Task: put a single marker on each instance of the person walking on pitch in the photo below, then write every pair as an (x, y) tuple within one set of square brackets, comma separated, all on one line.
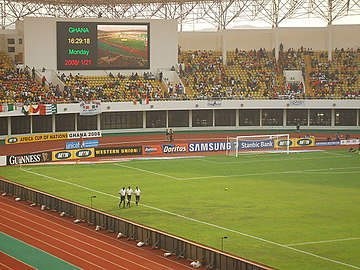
[(122, 193), (137, 195), (129, 191)]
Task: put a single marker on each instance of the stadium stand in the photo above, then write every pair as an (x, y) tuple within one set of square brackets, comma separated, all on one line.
[(18, 86), (246, 75)]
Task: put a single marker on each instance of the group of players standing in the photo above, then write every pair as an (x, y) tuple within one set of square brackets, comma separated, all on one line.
[(127, 193)]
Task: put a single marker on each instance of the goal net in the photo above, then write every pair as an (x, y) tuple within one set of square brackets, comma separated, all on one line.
[(258, 143)]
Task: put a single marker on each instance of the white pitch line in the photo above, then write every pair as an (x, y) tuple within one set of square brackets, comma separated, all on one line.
[(338, 154), (271, 160), (204, 223), (237, 175), (69, 183), (264, 173), (324, 241), (331, 172), (147, 171)]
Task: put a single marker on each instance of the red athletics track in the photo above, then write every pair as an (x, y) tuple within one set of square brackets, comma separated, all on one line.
[(8, 262), (78, 244)]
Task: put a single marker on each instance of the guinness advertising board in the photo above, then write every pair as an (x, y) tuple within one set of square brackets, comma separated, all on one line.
[(28, 158)]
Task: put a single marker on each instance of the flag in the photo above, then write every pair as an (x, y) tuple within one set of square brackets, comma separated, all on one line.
[(48, 109), (5, 107), (92, 107), (35, 109), (144, 101), (39, 109)]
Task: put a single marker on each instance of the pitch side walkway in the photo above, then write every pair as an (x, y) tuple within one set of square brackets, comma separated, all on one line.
[(31, 256)]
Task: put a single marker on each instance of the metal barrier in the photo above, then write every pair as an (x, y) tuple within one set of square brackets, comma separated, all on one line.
[(181, 248)]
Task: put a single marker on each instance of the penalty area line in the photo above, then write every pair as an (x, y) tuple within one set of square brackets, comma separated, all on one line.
[(267, 173), (324, 241)]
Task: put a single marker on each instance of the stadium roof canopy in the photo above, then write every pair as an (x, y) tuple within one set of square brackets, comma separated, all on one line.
[(192, 15)]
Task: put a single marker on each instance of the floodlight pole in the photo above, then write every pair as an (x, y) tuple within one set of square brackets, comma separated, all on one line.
[(222, 243), (91, 200)]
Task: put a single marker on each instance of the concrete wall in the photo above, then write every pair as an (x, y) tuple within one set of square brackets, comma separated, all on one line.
[(40, 42), (317, 38)]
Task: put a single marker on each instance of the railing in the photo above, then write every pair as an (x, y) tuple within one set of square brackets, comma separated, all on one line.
[(180, 247)]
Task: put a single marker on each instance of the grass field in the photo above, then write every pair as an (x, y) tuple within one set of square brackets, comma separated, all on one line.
[(297, 211)]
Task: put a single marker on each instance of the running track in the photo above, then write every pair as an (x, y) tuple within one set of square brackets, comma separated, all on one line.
[(78, 244)]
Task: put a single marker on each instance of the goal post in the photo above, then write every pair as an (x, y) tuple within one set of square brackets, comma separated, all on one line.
[(273, 143)]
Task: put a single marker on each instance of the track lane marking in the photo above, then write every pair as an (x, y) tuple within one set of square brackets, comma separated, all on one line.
[(36, 239), (120, 249)]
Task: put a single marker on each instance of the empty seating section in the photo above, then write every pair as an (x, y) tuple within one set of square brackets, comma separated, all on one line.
[(254, 74)]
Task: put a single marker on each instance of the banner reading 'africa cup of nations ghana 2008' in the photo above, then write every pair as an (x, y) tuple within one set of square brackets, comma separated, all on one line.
[(53, 136)]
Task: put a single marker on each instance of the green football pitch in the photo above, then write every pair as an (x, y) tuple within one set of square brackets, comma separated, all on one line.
[(296, 211)]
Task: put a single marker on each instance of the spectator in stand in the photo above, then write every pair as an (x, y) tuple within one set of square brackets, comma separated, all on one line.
[(43, 81)]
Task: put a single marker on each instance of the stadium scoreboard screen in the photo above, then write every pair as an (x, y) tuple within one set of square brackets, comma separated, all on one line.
[(92, 45)]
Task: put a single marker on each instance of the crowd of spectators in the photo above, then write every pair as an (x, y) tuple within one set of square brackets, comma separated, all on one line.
[(17, 85), (254, 74), (246, 75), (336, 78)]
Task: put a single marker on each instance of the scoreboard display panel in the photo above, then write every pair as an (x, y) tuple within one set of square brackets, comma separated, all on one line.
[(93, 45)]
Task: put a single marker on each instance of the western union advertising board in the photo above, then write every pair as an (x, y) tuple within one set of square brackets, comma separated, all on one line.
[(63, 155)]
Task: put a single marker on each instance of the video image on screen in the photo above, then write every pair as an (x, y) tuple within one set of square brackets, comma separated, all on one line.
[(123, 46)]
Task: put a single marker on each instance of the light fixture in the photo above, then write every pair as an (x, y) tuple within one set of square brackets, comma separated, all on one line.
[(222, 242), (91, 200)]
